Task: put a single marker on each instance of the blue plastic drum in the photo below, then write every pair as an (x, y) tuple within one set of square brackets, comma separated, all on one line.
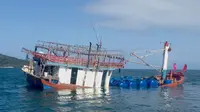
[(116, 82), (167, 81), (153, 83), (124, 84), (143, 84), (133, 84)]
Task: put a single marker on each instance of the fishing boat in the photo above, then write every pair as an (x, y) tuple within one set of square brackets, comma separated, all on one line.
[(62, 66), (172, 78)]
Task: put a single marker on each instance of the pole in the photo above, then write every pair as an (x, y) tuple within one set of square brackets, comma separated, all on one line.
[(87, 63), (165, 60), (98, 46), (89, 55)]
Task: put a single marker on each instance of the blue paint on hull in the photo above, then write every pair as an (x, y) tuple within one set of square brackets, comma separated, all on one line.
[(36, 82), (33, 81), (45, 87)]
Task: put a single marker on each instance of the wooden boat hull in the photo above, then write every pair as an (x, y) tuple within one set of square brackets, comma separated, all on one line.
[(44, 84), (179, 80), (34, 81), (174, 84), (49, 85)]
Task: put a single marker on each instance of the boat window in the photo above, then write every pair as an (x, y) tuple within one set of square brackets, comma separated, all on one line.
[(51, 70), (80, 68)]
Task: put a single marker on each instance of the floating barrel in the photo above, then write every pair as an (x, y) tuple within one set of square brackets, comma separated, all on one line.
[(133, 84), (111, 80), (143, 83), (152, 83), (167, 81), (128, 81), (115, 82), (124, 83)]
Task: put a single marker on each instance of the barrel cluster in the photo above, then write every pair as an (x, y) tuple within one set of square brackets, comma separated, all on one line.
[(129, 82)]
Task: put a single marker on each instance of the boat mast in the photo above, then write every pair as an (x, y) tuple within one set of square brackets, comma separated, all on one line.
[(96, 64), (165, 60), (89, 55)]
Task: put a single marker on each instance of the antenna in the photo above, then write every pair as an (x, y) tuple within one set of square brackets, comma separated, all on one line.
[(162, 42), (97, 35)]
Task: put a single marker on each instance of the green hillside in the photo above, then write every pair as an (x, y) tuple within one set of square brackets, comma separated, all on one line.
[(8, 61)]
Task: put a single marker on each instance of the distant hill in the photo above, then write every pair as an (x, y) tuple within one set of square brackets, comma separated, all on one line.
[(8, 61)]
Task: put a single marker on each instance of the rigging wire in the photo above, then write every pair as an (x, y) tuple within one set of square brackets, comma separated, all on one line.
[(96, 33), (145, 62), (141, 58)]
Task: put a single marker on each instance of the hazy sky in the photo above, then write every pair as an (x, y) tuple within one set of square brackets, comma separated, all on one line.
[(124, 25)]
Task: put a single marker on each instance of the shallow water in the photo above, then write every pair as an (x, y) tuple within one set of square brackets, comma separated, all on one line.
[(16, 96)]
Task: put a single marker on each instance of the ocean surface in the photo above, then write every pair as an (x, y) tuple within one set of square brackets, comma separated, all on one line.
[(17, 96)]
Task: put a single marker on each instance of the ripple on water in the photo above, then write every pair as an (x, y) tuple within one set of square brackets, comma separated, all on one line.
[(16, 96)]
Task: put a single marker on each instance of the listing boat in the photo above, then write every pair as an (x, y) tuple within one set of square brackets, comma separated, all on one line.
[(164, 79), (173, 79), (62, 66)]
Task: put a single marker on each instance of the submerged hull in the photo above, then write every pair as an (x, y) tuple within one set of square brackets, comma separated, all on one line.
[(49, 85), (174, 84), (179, 81), (34, 81), (67, 80)]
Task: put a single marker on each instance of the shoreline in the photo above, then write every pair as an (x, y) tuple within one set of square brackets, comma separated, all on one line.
[(7, 67)]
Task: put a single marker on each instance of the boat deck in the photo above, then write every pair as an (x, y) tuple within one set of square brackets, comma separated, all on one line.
[(29, 70)]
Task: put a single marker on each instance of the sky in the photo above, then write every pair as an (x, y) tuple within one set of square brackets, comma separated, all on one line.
[(125, 25)]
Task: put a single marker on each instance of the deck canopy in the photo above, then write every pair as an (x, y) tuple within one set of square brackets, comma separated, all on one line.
[(83, 55)]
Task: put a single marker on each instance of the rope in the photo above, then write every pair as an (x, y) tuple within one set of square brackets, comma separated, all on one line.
[(142, 63), (141, 58), (149, 51), (145, 62)]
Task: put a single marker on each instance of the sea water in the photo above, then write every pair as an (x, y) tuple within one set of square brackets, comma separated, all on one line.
[(17, 96)]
